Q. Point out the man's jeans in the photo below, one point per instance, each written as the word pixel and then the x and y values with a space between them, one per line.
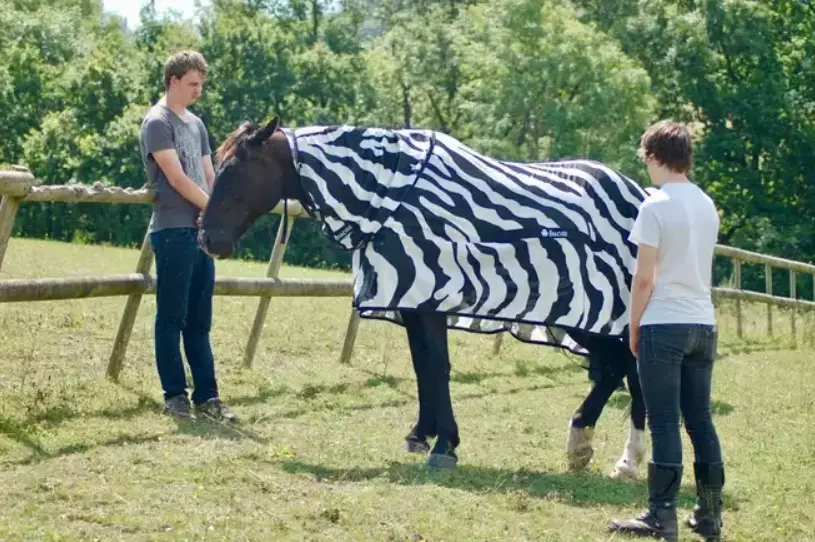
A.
pixel 676 367
pixel 185 282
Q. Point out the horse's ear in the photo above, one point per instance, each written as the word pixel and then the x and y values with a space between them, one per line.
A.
pixel 259 137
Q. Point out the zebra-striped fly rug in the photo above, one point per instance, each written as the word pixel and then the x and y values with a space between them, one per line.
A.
pixel 530 248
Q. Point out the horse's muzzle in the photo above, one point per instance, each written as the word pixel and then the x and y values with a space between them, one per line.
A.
pixel 215 246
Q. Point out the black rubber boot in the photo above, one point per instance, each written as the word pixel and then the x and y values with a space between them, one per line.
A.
pixel 706 518
pixel 659 521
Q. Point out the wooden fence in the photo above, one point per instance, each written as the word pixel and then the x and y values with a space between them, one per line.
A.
pixel 18 185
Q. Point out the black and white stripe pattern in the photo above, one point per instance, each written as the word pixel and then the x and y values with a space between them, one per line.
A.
pixel 534 249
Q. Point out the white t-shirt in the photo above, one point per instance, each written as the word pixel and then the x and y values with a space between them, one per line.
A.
pixel 682 223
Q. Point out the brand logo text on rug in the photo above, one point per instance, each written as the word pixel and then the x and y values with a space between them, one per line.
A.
pixel 547 232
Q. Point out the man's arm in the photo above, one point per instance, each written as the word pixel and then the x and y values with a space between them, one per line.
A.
pixel 206 155
pixel 157 134
pixel 643 282
pixel 646 234
pixel 209 171
pixel 168 161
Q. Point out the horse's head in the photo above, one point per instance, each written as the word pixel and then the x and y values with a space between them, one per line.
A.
pixel 253 166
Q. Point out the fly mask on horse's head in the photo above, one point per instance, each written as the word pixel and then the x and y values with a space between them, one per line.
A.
pixel 249 182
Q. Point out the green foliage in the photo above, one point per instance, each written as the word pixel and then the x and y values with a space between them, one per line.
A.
pixel 742 72
pixel 518 79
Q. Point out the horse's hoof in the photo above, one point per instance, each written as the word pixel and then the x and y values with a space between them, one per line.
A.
pixel 581 459
pixel 624 471
pixel 442 461
pixel 416 446
pixel 627 466
pixel 578 446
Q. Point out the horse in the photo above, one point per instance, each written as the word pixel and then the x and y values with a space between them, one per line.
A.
pixel 443 238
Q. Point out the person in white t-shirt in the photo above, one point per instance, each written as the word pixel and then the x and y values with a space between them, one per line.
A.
pixel 673 334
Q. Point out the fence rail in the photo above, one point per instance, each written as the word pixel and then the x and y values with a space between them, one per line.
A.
pixel 51 289
pixel 17 185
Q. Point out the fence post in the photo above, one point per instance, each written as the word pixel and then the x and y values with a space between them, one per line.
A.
pixel 129 314
pixel 496 345
pixel 263 304
pixel 350 337
pixel 21 179
pixel 793 311
pixel 739 321
pixel 768 278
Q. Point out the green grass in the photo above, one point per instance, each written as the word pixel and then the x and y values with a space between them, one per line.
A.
pixel 316 456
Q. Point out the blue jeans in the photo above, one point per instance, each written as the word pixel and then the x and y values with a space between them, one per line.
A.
pixel 676 368
pixel 185 282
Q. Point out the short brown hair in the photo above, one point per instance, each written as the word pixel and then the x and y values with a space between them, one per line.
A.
pixel 670 144
pixel 181 62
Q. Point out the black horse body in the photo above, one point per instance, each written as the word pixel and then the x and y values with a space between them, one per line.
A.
pixel 256 171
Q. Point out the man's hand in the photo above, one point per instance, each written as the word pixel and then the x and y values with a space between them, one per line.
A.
pixel 199 222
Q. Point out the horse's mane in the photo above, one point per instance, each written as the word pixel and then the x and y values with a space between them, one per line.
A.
pixel 233 141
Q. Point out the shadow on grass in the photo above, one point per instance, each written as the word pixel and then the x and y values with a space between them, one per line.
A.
pixel 375 380
pixel 622 401
pixel 56 416
pixel 737 347
pixel 25 435
pixel 202 427
pixel 27 432
pixel 720 408
pixel 586 488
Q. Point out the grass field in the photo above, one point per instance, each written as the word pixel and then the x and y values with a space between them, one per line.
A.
pixel 317 456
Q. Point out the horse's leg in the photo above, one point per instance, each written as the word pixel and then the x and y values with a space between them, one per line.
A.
pixel 425 427
pixel 634 450
pixel 437 371
pixel 581 426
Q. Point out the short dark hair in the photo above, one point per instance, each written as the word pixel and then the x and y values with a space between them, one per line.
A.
pixel 669 143
pixel 181 62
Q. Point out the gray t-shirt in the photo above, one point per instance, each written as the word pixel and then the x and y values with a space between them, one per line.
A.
pixel 164 129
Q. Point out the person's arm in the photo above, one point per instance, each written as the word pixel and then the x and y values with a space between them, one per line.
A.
pixel 169 163
pixel 209 171
pixel 206 155
pixel 641 288
pixel 646 234
pixel 158 139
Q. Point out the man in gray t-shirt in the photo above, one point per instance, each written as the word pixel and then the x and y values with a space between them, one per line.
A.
pixel 163 129
pixel 177 162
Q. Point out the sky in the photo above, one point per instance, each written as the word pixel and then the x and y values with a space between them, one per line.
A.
pixel 129 9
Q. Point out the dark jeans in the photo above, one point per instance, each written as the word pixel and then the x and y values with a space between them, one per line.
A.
pixel 676 369
pixel 185 282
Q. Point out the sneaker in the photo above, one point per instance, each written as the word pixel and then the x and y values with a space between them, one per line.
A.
pixel 215 410
pixel 178 406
